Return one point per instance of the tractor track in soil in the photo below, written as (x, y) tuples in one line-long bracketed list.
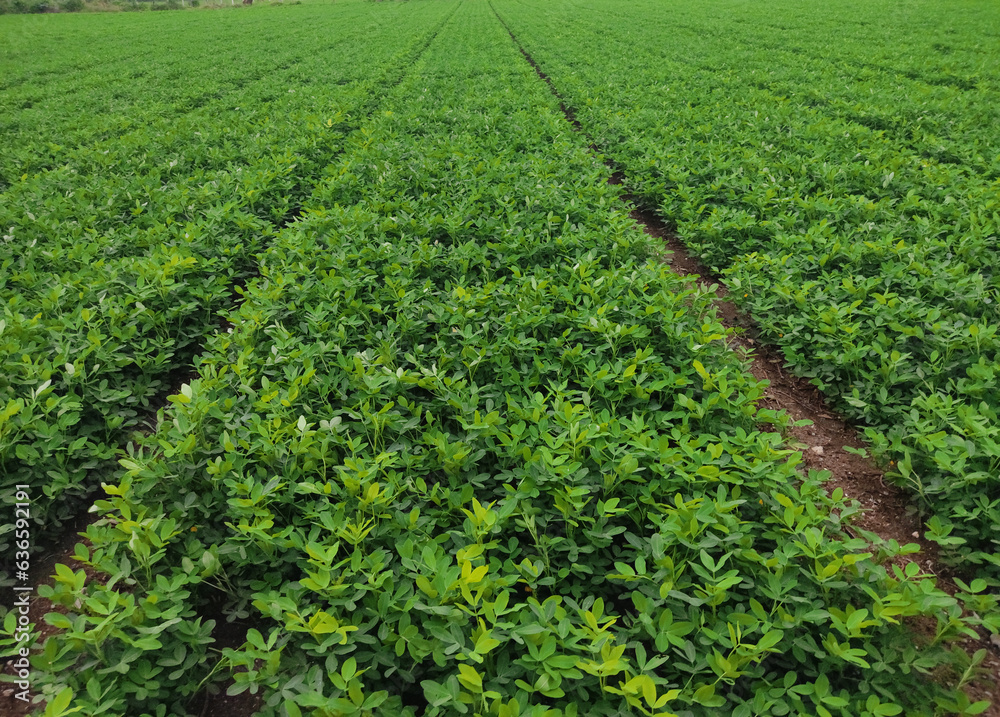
[(886, 510)]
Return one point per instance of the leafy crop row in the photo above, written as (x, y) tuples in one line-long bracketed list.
[(118, 260), (162, 79), (852, 204), (470, 449)]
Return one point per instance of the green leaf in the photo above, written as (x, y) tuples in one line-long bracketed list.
[(469, 678)]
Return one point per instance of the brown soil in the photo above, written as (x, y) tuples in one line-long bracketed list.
[(219, 704)]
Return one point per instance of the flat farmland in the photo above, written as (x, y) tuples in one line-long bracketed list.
[(475, 357)]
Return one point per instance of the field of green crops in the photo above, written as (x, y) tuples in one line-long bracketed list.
[(383, 405)]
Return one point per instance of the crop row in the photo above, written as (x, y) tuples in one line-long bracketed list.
[(118, 261), (922, 95), (470, 449), (867, 252), (145, 82)]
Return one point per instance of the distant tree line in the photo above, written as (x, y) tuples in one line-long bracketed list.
[(40, 6), (48, 6)]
